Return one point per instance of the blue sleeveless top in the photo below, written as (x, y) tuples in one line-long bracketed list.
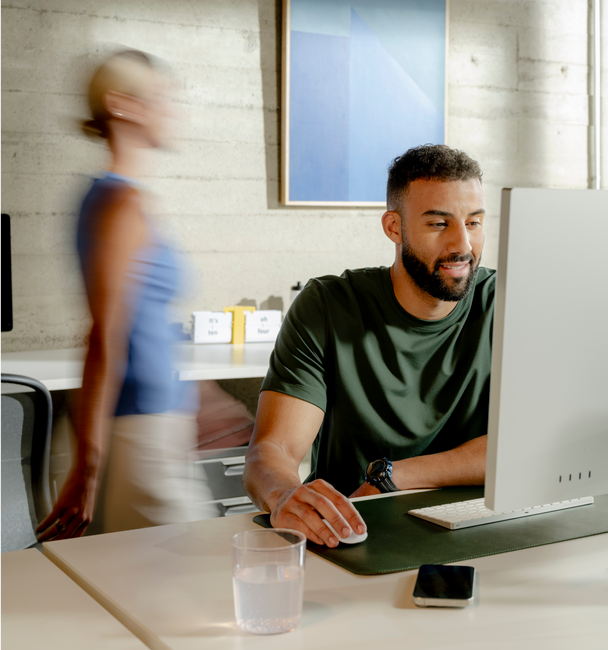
[(149, 384)]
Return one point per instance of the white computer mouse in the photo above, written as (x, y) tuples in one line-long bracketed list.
[(353, 538)]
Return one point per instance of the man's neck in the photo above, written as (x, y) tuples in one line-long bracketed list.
[(415, 300)]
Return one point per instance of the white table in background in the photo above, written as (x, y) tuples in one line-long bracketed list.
[(62, 369), (172, 587), (43, 609), (56, 369), (222, 361)]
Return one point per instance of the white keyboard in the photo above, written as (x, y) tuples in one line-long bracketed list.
[(465, 514)]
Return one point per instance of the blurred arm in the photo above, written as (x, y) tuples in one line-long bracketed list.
[(120, 232)]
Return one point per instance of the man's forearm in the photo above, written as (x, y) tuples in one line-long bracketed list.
[(269, 472), (463, 465), (285, 428)]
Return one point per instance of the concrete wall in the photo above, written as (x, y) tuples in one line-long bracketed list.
[(518, 94), (517, 102)]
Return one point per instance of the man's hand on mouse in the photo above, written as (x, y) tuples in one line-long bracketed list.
[(303, 508)]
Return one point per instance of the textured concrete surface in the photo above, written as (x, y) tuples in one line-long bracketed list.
[(517, 102)]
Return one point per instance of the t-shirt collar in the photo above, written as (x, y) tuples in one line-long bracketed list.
[(419, 323)]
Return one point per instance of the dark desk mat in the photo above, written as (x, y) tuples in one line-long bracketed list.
[(400, 542)]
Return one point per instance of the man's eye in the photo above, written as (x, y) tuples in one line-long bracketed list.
[(440, 225), (475, 224)]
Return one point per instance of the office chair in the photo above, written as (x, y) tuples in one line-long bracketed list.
[(26, 443)]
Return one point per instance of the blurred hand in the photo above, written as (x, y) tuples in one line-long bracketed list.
[(302, 509), (73, 511)]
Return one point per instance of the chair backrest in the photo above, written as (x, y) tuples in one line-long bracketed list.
[(26, 440)]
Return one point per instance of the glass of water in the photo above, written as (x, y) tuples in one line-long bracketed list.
[(268, 579)]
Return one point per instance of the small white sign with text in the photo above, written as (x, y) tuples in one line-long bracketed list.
[(211, 327), (262, 325)]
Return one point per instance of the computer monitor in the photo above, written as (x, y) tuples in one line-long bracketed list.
[(548, 423), (7, 281)]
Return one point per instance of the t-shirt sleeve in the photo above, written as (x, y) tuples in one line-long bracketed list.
[(297, 363)]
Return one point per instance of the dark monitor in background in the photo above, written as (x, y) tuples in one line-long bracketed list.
[(7, 281)]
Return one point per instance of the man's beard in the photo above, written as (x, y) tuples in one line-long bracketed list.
[(431, 281)]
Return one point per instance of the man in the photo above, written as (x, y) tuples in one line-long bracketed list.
[(384, 364)]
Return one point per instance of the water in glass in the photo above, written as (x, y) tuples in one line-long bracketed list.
[(268, 598)]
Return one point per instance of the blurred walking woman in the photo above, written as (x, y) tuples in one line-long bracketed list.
[(130, 275)]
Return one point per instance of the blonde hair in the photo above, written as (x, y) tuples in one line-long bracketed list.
[(125, 72)]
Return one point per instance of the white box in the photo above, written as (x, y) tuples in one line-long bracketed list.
[(211, 327), (262, 325)]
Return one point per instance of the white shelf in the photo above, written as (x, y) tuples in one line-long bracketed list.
[(62, 369)]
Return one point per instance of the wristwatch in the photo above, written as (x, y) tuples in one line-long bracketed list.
[(379, 473)]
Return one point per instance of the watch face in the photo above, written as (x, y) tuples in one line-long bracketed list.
[(376, 468)]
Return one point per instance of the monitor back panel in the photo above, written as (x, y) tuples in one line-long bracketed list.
[(6, 293), (548, 425)]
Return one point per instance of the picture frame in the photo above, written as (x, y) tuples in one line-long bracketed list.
[(362, 82)]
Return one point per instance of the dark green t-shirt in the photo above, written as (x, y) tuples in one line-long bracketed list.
[(390, 384)]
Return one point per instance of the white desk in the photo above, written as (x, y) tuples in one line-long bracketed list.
[(62, 369), (172, 587), (222, 361), (56, 369), (43, 608)]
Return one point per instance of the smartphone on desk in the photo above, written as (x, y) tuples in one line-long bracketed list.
[(445, 586)]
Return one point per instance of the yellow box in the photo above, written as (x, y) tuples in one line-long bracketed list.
[(238, 321)]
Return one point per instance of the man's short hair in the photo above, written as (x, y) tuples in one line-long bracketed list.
[(428, 162)]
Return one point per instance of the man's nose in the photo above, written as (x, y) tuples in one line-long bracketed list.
[(459, 242)]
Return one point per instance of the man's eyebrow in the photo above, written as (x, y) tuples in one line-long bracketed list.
[(441, 213), (437, 213)]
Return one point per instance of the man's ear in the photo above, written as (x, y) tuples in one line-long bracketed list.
[(121, 106), (391, 224)]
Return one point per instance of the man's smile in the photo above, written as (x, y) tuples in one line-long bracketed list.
[(456, 270)]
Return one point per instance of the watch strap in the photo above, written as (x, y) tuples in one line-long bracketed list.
[(383, 482), (387, 485)]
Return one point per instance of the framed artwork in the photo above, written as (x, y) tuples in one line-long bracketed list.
[(363, 81)]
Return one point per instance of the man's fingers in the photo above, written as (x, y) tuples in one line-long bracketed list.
[(296, 513), (305, 507), (337, 509), (292, 521), (309, 506), (315, 524)]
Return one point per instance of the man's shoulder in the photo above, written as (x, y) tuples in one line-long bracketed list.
[(351, 281), (485, 287), (485, 274)]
